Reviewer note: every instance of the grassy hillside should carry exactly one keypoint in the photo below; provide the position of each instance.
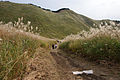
(50, 24)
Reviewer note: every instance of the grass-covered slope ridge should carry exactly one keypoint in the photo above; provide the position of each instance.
(50, 24)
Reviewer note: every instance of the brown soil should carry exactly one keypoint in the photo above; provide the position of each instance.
(57, 65)
(70, 63)
(41, 67)
(66, 65)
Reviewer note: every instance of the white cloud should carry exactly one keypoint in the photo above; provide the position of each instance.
(96, 9)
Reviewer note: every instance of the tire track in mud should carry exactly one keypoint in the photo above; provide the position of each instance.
(65, 66)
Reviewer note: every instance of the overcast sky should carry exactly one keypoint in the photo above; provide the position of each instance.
(95, 9)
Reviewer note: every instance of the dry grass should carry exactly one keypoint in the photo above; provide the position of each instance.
(106, 30)
(16, 48)
(101, 43)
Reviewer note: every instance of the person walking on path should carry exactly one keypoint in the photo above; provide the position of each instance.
(55, 46)
(52, 46)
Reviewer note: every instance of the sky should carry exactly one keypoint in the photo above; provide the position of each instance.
(95, 9)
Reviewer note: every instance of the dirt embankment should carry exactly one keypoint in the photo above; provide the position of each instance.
(41, 67)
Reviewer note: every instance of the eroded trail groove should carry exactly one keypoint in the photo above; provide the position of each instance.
(56, 65)
(66, 64)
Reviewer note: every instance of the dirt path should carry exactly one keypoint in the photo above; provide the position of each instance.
(63, 67)
(66, 65)
(57, 65)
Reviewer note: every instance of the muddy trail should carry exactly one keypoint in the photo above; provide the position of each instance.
(66, 64)
(58, 65)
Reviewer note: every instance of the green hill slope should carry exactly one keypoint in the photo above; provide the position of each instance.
(51, 24)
